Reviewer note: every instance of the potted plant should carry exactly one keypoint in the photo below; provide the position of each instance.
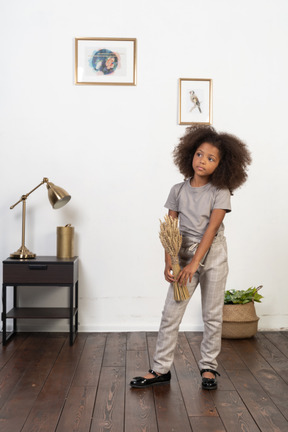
(239, 315)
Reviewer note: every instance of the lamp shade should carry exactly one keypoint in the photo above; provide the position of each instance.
(58, 197)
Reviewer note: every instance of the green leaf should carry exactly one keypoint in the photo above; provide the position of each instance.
(242, 296)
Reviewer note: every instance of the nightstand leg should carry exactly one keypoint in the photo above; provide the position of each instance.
(4, 305)
(6, 337)
(15, 306)
(76, 306)
(71, 314)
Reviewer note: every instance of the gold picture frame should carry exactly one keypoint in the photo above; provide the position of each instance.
(105, 61)
(195, 101)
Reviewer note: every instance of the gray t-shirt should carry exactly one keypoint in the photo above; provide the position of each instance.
(195, 205)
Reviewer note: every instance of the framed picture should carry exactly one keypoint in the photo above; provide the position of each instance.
(105, 61)
(195, 101)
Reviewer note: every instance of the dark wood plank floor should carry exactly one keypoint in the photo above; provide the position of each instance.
(47, 386)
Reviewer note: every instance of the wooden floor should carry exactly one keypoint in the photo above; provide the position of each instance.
(46, 385)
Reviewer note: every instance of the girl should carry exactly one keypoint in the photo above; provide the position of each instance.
(214, 164)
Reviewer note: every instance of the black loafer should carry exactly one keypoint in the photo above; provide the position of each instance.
(209, 383)
(141, 382)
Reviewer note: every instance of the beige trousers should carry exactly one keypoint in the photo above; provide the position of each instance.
(212, 278)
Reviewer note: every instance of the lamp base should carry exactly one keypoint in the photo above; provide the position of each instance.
(23, 253)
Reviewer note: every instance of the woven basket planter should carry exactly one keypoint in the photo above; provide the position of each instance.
(239, 321)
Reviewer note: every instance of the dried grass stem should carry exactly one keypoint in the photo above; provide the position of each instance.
(171, 240)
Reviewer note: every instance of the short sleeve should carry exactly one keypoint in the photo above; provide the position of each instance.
(172, 200)
(223, 200)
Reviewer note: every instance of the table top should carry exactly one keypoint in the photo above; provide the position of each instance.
(41, 259)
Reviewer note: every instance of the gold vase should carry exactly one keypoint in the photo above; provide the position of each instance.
(65, 241)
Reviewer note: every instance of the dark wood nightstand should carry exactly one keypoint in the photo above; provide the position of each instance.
(41, 271)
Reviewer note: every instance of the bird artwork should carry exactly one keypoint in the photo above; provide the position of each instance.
(195, 101)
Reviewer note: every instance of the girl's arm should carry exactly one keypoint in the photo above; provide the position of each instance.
(168, 264)
(188, 271)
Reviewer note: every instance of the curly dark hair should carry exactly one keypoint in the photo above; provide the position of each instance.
(234, 156)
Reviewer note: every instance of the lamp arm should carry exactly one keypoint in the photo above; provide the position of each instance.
(24, 197)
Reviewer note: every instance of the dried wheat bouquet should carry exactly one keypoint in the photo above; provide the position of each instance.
(171, 240)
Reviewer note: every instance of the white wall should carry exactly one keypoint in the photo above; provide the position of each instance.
(110, 146)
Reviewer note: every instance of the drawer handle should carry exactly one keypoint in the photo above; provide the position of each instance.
(37, 267)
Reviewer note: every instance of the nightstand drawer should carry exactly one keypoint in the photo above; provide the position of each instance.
(33, 273)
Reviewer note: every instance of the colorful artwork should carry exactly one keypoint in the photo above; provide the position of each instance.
(104, 61)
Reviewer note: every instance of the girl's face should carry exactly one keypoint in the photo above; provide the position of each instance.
(205, 161)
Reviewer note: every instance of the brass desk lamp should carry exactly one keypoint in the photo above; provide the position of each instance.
(57, 196)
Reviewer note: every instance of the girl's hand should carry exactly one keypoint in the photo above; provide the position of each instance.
(168, 273)
(187, 273)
